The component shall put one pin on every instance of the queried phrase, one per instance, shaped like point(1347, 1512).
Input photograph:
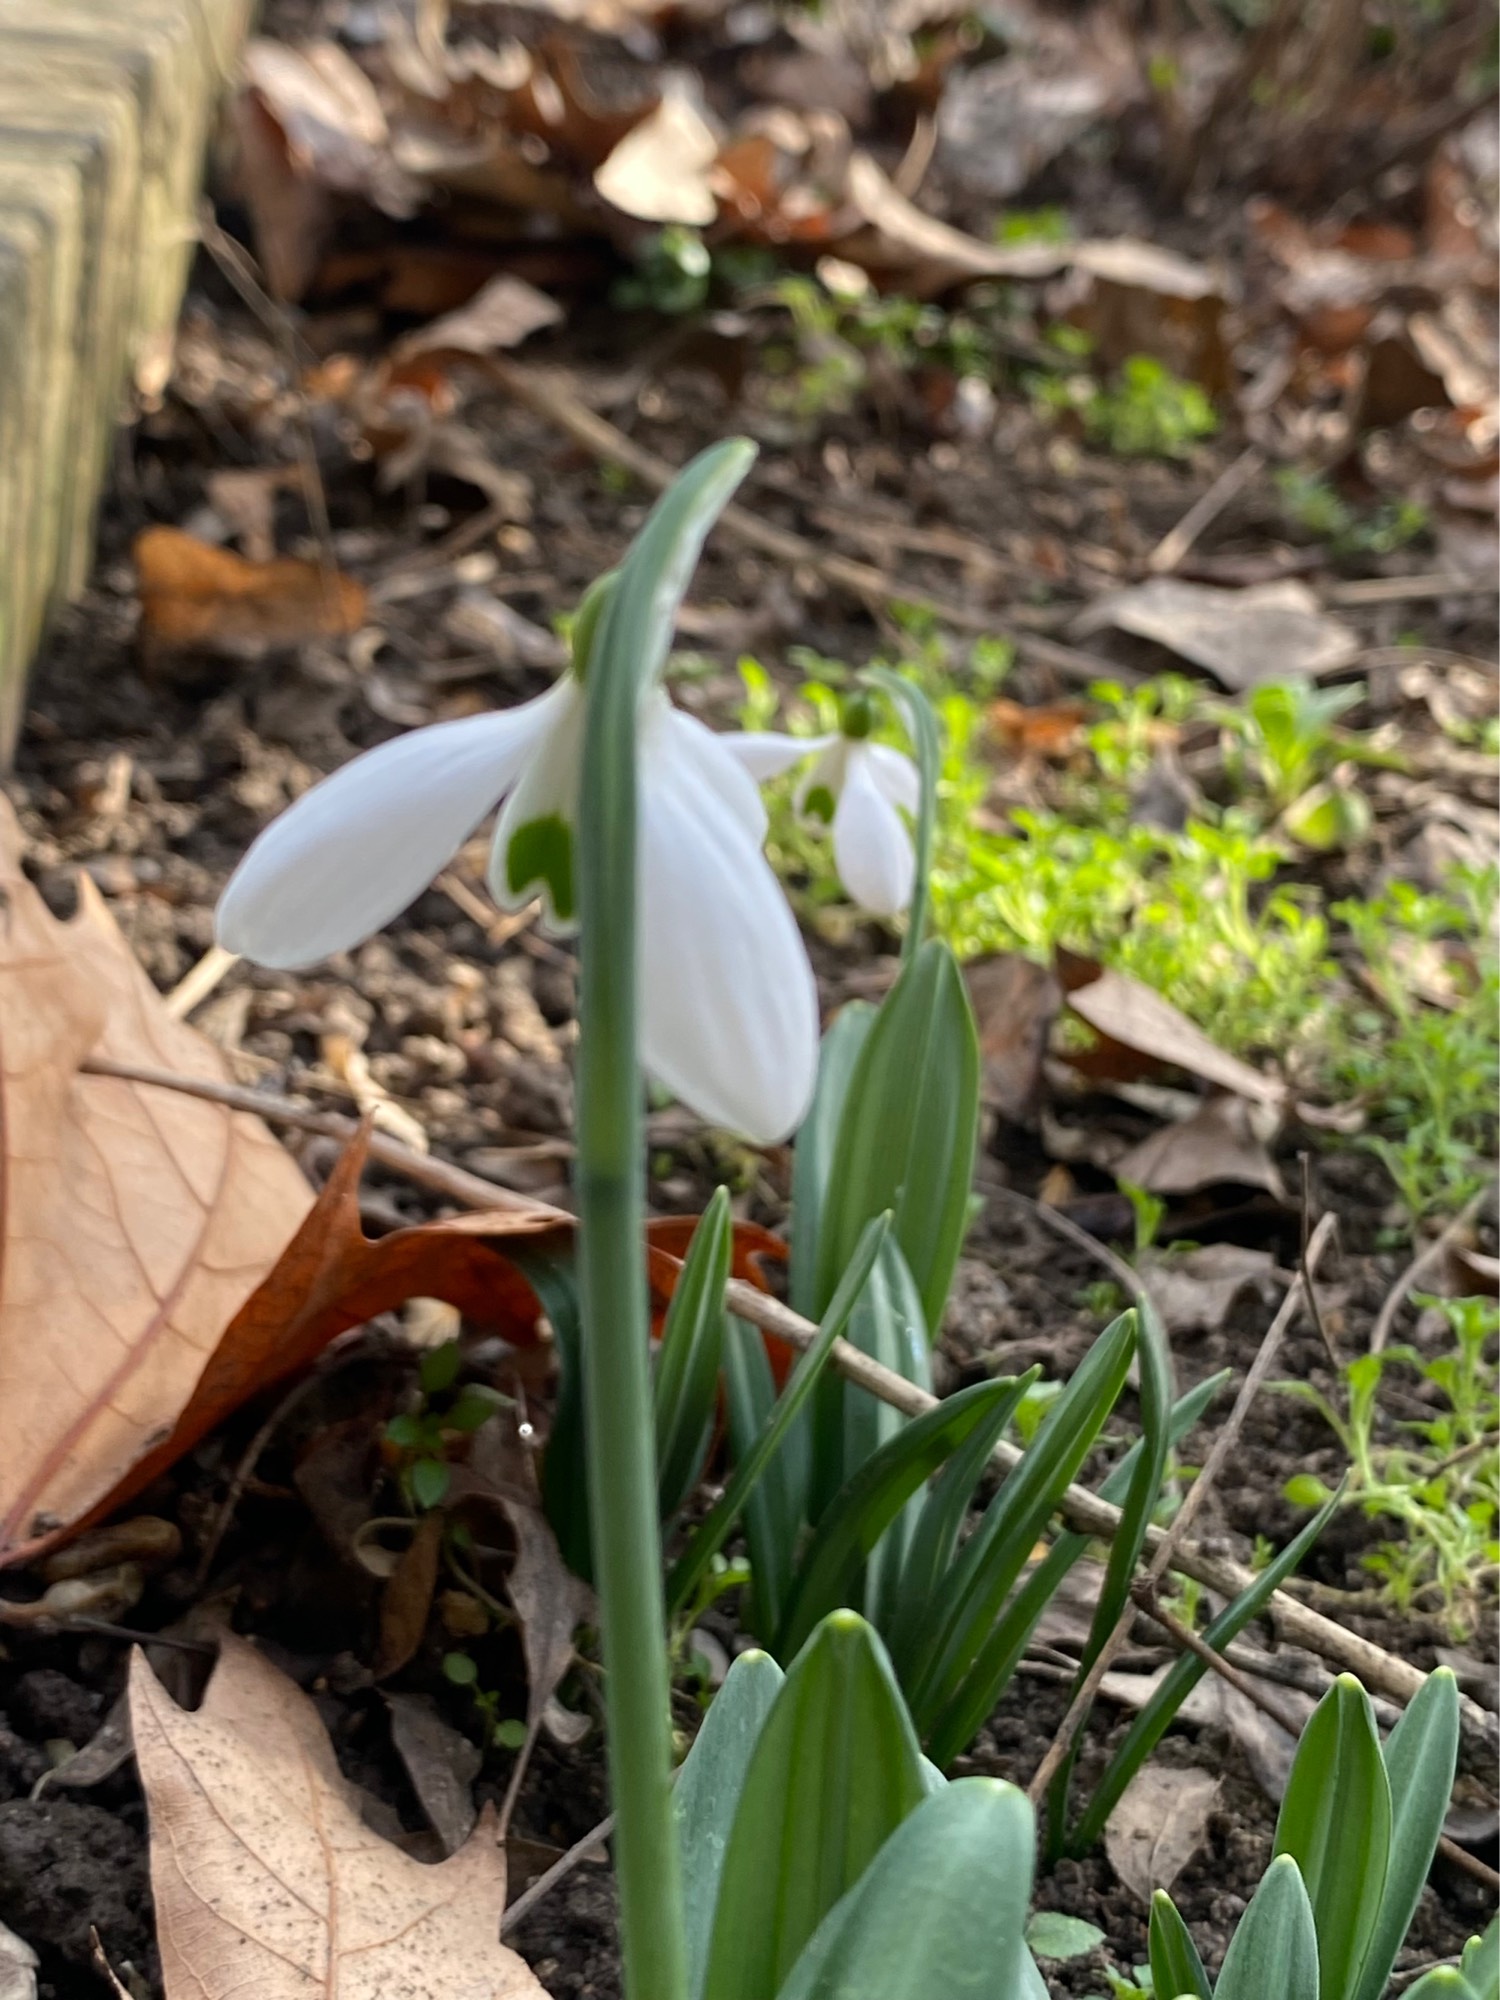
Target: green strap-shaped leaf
point(773, 1505)
point(873, 1497)
point(1421, 1755)
point(940, 1914)
point(687, 1366)
point(714, 1532)
point(836, 1771)
point(1154, 1368)
point(887, 1325)
point(931, 1549)
point(1154, 1719)
point(816, 1137)
point(909, 1127)
point(708, 1794)
point(1176, 1967)
point(951, 1694)
point(565, 1496)
point(1274, 1950)
point(1335, 1823)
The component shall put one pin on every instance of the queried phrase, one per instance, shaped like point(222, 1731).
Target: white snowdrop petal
point(356, 849)
point(765, 753)
point(896, 775)
point(729, 1007)
point(871, 848)
point(714, 758)
point(543, 809)
point(827, 775)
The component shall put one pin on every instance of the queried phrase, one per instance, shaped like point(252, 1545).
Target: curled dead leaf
point(196, 595)
point(659, 171)
point(137, 1221)
point(1270, 631)
point(266, 1879)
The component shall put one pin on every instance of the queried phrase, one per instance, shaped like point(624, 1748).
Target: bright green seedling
point(1440, 1483)
point(423, 1437)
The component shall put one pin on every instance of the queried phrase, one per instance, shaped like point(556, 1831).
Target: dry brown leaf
point(1159, 1825)
point(137, 1221)
point(502, 314)
point(1015, 1002)
point(1218, 1144)
point(266, 1880)
point(18, 1964)
point(1194, 1291)
point(193, 594)
point(441, 1763)
point(406, 1600)
point(550, 1602)
point(1270, 631)
point(659, 171)
point(1136, 1017)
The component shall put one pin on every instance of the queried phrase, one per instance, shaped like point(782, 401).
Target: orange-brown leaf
point(196, 595)
point(331, 1276)
point(134, 1222)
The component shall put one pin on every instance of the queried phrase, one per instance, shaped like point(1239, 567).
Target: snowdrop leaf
point(1275, 1946)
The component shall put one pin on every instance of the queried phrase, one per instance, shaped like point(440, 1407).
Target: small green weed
point(1145, 412)
point(1441, 1483)
point(503, 1732)
point(420, 1437)
point(1209, 915)
point(1320, 511)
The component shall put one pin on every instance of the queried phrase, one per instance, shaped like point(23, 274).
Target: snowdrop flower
point(728, 1004)
point(863, 787)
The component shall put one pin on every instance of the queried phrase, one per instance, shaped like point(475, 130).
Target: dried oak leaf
point(267, 1881)
point(136, 1221)
point(196, 595)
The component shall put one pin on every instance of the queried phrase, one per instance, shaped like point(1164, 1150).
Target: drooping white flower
point(728, 1004)
point(863, 787)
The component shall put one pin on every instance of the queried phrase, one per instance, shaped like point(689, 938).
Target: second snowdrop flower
point(864, 788)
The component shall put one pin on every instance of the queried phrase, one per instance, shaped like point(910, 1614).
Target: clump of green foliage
point(1145, 411)
point(1209, 914)
point(1316, 508)
point(1440, 1482)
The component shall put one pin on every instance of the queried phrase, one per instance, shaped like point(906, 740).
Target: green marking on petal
point(819, 803)
point(541, 852)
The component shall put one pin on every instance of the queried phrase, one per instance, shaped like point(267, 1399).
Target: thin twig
point(1081, 1509)
point(1230, 483)
point(1406, 589)
point(1165, 1553)
point(1143, 1595)
point(1406, 1284)
point(564, 1865)
point(551, 399)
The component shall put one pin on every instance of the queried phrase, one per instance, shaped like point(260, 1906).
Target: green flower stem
point(626, 648)
point(616, 1373)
